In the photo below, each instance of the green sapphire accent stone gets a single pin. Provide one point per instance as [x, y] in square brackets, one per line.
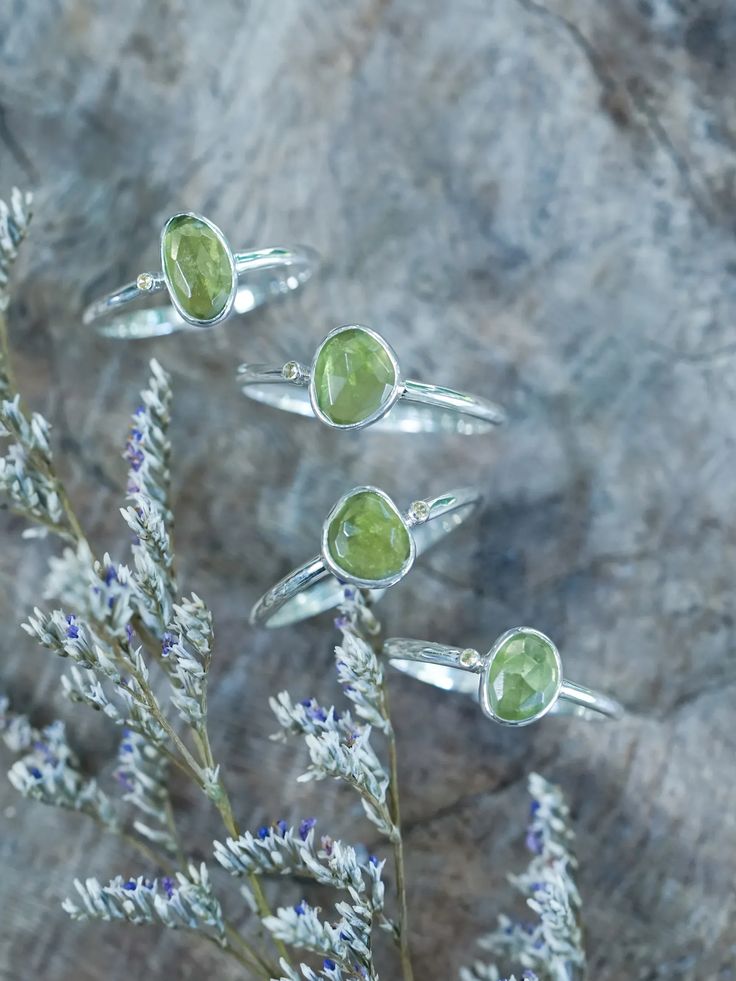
[523, 677]
[197, 267]
[353, 376]
[367, 538]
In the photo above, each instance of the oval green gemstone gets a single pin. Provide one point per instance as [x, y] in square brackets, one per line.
[523, 677]
[197, 267]
[353, 376]
[367, 538]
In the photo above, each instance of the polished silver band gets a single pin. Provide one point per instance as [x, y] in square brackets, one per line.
[312, 588]
[419, 408]
[263, 275]
[461, 670]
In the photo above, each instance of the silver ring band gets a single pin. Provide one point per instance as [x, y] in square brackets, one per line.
[258, 276]
[318, 585]
[402, 406]
[464, 670]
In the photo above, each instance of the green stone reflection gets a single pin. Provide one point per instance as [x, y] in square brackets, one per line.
[523, 677]
[367, 539]
[197, 267]
[354, 376]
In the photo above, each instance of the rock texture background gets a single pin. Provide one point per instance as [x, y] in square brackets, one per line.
[532, 200]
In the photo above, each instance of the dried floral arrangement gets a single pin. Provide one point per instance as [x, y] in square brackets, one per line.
[139, 652]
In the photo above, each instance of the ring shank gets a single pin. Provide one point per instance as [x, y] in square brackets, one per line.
[263, 275]
[420, 409]
[312, 589]
[440, 666]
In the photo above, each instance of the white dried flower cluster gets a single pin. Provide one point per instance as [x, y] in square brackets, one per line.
[345, 944]
[281, 850]
[142, 773]
[16, 730]
[551, 948]
[288, 851]
[98, 592]
[14, 220]
[99, 668]
[187, 651]
[184, 902]
[50, 773]
[148, 515]
[27, 477]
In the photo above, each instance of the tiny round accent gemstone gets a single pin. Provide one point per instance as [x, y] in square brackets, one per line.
[523, 677]
[367, 539]
[353, 377]
[469, 658]
[144, 281]
[290, 371]
[197, 267]
[419, 511]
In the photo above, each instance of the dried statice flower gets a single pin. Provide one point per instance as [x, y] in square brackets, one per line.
[27, 477]
[282, 850]
[551, 948]
[142, 773]
[186, 653]
[50, 774]
[16, 730]
[330, 972]
[186, 901]
[99, 592]
[100, 667]
[345, 944]
[149, 514]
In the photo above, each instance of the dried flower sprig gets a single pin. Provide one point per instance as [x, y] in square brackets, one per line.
[339, 746]
[551, 948]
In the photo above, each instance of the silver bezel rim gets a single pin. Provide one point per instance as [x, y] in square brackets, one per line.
[386, 407]
[226, 310]
[483, 698]
[340, 573]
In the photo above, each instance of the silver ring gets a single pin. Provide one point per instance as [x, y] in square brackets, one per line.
[366, 542]
[517, 682]
[202, 282]
[355, 380]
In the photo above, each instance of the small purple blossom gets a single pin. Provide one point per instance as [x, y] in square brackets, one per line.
[305, 827]
[129, 632]
[167, 642]
[35, 772]
[374, 861]
[534, 841]
[282, 827]
[263, 832]
[130, 885]
[111, 575]
[168, 885]
[72, 630]
[301, 908]
[328, 964]
[342, 622]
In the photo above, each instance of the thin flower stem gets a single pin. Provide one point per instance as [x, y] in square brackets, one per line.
[375, 639]
[398, 844]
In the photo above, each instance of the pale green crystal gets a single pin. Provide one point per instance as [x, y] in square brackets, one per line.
[367, 539]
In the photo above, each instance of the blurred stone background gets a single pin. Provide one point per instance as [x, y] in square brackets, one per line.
[532, 201]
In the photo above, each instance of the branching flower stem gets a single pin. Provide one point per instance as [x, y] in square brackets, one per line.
[372, 631]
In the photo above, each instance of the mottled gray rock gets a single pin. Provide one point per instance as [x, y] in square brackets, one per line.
[535, 202]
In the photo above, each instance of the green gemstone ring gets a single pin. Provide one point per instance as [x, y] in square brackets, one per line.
[202, 282]
[354, 381]
[517, 682]
[366, 542]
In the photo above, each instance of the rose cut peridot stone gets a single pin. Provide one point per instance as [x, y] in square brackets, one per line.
[367, 538]
[354, 376]
[523, 677]
[197, 267]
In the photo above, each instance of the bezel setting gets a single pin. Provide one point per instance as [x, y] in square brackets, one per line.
[227, 309]
[483, 697]
[346, 577]
[389, 402]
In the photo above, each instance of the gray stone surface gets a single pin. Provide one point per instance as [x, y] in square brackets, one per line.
[531, 201]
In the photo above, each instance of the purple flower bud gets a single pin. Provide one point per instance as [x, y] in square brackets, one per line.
[305, 827]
